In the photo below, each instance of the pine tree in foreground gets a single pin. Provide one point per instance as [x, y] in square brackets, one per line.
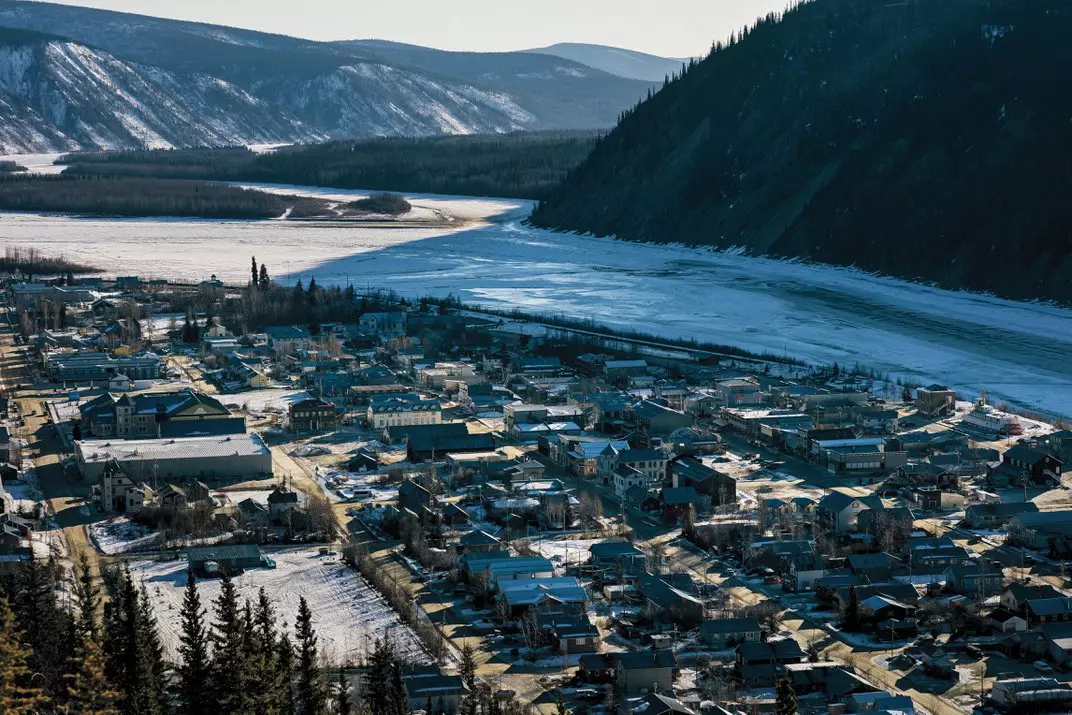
[786, 702]
[228, 663]
[90, 693]
[19, 694]
[255, 276]
[194, 666]
[311, 691]
[285, 678]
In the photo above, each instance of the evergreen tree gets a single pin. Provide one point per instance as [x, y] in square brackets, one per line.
[228, 664]
[264, 660]
[19, 694]
[297, 296]
[194, 667]
[467, 672]
[89, 692]
[151, 664]
[263, 280]
[46, 624]
[380, 666]
[786, 703]
[190, 332]
[284, 662]
[255, 275]
[315, 294]
[397, 690]
[87, 599]
[342, 704]
[70, 278]
[851, 616]
[311, 693]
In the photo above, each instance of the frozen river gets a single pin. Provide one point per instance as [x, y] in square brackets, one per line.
[1019, 352]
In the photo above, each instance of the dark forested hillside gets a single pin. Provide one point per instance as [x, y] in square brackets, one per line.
[926, 139]
[514, 166]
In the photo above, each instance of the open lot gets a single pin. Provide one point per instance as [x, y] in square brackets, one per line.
[347, 613]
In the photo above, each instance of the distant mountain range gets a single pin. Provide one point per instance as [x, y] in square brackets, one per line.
[78, 78]
[927, 140]
[616, 61]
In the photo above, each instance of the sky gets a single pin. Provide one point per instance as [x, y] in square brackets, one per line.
[682, 28]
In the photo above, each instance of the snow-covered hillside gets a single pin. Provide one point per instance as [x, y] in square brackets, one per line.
[57, 96]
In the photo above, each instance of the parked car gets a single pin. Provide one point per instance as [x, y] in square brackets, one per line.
[1042, 666]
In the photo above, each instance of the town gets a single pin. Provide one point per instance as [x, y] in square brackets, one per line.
[541, 515]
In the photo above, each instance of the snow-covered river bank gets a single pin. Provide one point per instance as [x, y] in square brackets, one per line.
[1019, 352]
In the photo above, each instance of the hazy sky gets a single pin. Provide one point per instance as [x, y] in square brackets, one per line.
[679, 28]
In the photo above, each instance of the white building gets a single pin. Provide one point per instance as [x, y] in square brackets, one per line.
[403, 411]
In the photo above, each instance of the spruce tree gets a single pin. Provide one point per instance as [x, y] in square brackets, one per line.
[467, 672]
[786, 703]
[311, 693]
[19, 694]
[151, 664]
[284, 663]
[380, 665]
[194, 666]
[264, 664]
[89, 691]
[852, 610]
[227, 663]
[342, 703]
[263, 280]
[255, 275]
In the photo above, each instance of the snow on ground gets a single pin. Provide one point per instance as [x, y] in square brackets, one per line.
[266, 399]
[23, 496]
[234, 497]
[348, 613]
[565, 551]
[121, 535]
[341, 485]
[1017, 351]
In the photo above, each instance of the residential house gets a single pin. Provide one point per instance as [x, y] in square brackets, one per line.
[690, 472]
[721, 633]
[1003, 620]
[1041, 529]
[650, 462]
[974, 579]
[652, 418]
[1016, 595]
[673, 599]
[1024, 465]
[1048, 610]
[522, 594]
[569, 629]
[839, 512]
[383, 324]
[428, 685]
[646, 671]
[625, 478]
[282, 501]
[617, 557]
[654, 703]
[760, 664]
[413, 496]
[993, 515]
[288, 339]
[615, 370]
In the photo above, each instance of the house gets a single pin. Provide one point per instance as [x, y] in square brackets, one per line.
[880, 608]
[384, 324]
[1003, 620]
[428, 685]
[282, 501]
[646, 671]
[1059, 444]
[1058, 642]
[413, 496]
[520, 595]
[1048, 610]
[690, 472]
[974, 579]
[613, 557]
[312, 414]
[992, 515]
[518, 568]
[649, 462]
[288, 339]
[671, 596]
[654, 703]
[625, 478]
[229, 558]
[857, 456]
[840, 512]
[875, 568]
[569, 629]
[615, 370]
[1041, 529]
[1016, 595]
[721, 633]
[117, 491]
[252, 513]
[478, 541]
[681, 503]
[652, 418]
[1025, 465]
[594, 458]
[760, 664]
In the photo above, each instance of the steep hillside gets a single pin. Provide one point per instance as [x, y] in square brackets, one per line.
[922, 139]
[295, 89]
[56, 94]
[615, 60]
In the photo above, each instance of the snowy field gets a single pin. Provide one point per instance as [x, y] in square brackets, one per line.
[565, 551]
[266, 399]
[1017, 351]
[347, 613]
[121, 535]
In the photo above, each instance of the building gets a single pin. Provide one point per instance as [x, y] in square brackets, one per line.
[282, 501]
[1041, 529]
[974, 579]
[156, 415]
[96, 367]
[384, 325]
[614, 557]
[992, 515]
[288, 339]
[1024, 465]
[231, 559]
[403, 410]
[205, 458]
[936, 401]
[118, 492]
[646, 671]
[722, 633]
[311, 415]
[733, 393]
[1031, 695]
[689, 472]
[866, 456]
[614, 370]
[652, 418]
[649, 462]
[626, 478]
[428, 685]
[840, 512]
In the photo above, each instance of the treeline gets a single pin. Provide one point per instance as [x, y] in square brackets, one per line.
[137, 197]
[104, 656]
[919, 139]
[511, 166]
[31, 262]
[8, 167]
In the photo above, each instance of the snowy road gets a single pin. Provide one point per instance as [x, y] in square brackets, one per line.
[1020, 352]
